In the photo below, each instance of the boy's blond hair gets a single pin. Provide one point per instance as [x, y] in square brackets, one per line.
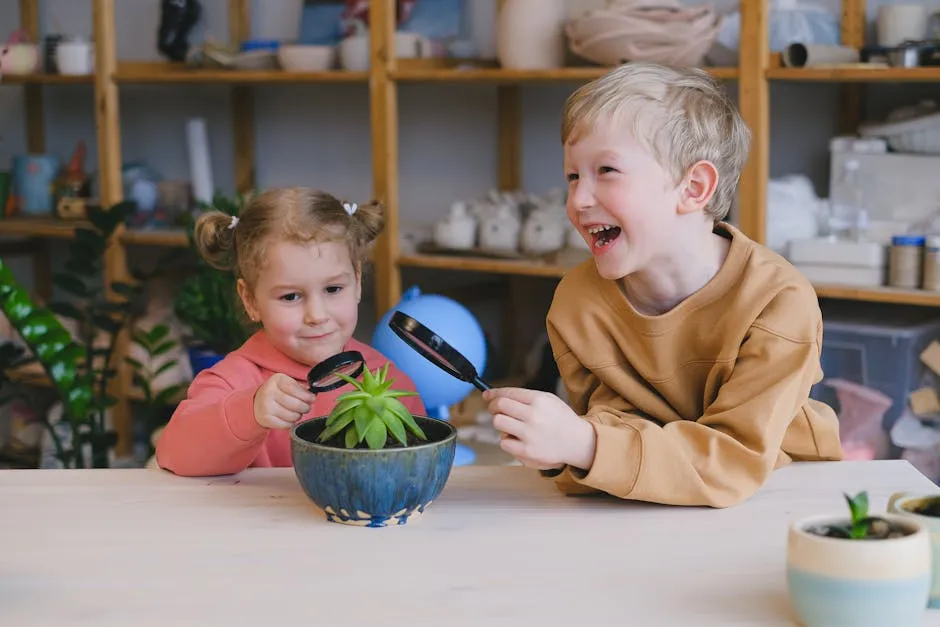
[681, 115]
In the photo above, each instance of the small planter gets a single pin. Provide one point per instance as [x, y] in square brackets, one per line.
[880, 579]
[201, 358]
[925, 509]
[373, 487]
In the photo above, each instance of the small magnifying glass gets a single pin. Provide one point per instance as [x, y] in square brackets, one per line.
[323, 377]
[433, 348]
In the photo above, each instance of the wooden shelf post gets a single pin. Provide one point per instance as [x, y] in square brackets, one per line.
[384, 117]
[754, 102]
[243, 104]
[107, 121]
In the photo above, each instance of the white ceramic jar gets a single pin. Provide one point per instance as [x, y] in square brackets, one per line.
[530, 34]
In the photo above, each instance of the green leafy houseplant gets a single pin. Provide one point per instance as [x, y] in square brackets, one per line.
[155, 343]
[81, 368]
[371, 415]
[206, 301]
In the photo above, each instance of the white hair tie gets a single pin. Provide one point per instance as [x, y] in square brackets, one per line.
[350, 207]
[233, 223]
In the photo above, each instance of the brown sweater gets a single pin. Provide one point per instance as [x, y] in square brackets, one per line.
[699, 405]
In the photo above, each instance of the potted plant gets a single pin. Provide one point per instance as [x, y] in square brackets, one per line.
[370, 462]
[206, 301]
[859, 570]
[80, 367]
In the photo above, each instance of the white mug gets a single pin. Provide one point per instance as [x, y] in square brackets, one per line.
[75, 58]
[354, 50]
[898, 23]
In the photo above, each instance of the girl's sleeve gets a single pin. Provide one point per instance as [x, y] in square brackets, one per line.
[213, 431]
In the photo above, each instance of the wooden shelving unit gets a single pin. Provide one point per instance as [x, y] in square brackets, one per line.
[757, 68]
[146, 73]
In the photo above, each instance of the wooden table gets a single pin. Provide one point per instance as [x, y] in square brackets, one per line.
[500, 547]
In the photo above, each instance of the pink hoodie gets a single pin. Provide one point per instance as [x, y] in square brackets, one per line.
[214, 431]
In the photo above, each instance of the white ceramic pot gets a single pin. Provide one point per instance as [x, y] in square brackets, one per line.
[75, 58]
[542, 233]
[530, 34]
[862, 583]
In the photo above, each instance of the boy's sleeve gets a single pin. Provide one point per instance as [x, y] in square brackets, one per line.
[721, 458]
[213, 431]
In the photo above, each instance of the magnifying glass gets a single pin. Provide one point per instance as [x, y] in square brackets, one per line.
[433, 348]
[323, 377]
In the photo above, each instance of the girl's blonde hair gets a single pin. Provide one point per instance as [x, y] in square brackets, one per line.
[295, 214]
[680, 115]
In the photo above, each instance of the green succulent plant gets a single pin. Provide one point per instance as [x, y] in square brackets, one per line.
[371, 413]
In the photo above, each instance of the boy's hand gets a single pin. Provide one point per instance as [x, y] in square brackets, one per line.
[281, 401]
[539, 429]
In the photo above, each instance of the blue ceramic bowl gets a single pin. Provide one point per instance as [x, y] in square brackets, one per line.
[373, 488]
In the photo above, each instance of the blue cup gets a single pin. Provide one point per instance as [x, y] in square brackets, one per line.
[33, 183]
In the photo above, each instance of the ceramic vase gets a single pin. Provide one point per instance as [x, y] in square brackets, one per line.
[530, 34]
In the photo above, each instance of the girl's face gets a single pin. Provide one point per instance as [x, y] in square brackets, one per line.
[307, 298]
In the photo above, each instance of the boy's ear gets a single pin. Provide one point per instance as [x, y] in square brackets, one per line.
[699, 187]
[248, 301]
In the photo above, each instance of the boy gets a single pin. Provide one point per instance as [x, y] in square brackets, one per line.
[687, 350]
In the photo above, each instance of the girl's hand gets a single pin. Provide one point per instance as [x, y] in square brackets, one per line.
[281, 401]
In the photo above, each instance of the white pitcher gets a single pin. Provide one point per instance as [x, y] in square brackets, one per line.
[530, 34]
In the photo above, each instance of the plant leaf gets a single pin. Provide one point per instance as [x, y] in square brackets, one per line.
[376, 435]
[164, 348]
[168, 395]
[395, 406]
[167, 366]
[66, 310]
[352, 439]
[157, 333]
[368, 381]
[401, 393]
[395, 427]
[363, 418]
[858, 506]
[338, 425]
[136, 365]
[344, 407]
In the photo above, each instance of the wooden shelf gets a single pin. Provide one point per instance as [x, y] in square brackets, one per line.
[171, 238]
[479, 264]
[65, 229]
[45, 79]
[33, 375]
[856, 74]
[922, 298]
[500, 75]
[41, 227]
[157, 72]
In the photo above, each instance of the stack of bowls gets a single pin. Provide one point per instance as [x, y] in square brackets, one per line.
[659, 31]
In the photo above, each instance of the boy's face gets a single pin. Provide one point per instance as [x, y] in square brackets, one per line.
[619, 198]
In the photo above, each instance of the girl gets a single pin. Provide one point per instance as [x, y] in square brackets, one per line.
[298, 256]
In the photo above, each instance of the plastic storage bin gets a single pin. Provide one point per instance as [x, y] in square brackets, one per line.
[884, 355]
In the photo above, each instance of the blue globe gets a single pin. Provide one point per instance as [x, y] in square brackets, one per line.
[455, 325]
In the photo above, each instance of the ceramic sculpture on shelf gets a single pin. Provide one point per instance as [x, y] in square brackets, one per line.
[499, 232]
[543, 232]
[458, 231]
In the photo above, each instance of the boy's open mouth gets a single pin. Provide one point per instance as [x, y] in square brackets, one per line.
[603, 235]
